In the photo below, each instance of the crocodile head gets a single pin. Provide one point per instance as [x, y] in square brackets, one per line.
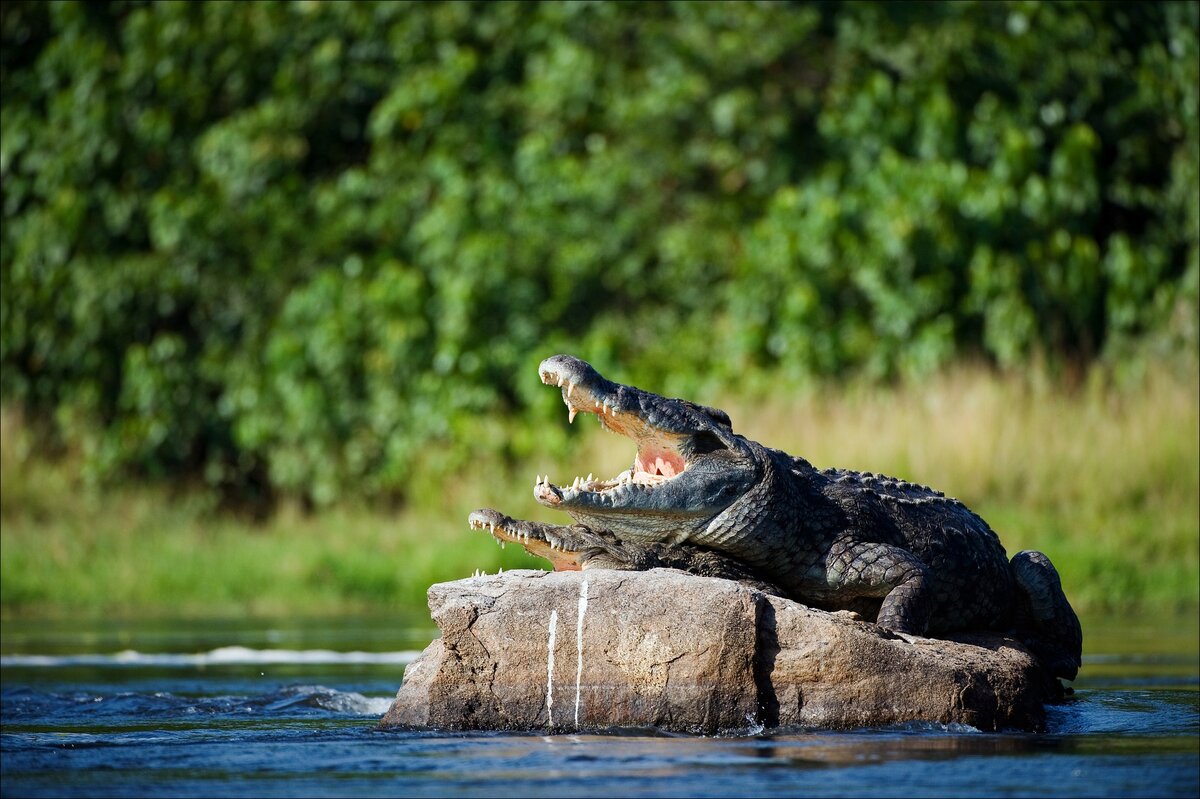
[689, 465]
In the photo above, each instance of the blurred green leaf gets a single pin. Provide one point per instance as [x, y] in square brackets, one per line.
[315, 248]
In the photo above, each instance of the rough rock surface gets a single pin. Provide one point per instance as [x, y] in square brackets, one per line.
[529, 650]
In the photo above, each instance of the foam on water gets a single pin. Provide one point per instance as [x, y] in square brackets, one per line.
[24, 704]
[225, 655]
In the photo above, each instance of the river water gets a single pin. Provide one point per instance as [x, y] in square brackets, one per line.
[288, 708]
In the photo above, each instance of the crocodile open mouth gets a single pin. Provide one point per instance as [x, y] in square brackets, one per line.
[659, 457]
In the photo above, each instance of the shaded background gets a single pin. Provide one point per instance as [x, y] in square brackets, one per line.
[309, 254]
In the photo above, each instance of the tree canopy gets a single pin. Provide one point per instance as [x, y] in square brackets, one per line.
[307, 247]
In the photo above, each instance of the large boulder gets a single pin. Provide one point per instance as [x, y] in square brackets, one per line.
[530, 650]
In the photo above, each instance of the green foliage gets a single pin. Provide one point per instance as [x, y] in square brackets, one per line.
[314, 248]
[1103, 481]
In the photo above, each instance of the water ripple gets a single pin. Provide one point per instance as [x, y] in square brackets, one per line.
[26, 704]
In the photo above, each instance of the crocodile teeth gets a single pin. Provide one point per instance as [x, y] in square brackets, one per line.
[570, 387]
[571, 416]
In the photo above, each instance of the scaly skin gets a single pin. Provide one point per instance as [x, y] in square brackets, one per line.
[575, 547]
[701, 498]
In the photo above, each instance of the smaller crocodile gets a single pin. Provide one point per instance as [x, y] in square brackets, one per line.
[701, 498]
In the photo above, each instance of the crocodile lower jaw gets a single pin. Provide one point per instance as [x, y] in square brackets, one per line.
[537, 545]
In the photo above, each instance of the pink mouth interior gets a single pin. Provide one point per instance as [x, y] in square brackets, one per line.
[659, 462]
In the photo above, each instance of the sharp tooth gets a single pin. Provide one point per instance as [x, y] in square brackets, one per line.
[502, 545]
[570, 387]
[501, 570]
[590, 478]
[571, 416]
[560, 382]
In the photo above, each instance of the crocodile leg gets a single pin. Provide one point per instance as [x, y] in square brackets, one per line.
[859, 569]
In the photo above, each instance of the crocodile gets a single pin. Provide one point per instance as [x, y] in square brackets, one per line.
[704, 499]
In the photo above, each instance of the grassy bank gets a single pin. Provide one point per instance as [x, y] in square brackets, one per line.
[1106, 481]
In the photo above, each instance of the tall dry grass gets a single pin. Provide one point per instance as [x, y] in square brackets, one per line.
[1105, 480]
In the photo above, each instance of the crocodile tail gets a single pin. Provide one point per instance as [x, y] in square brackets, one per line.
[1048, 624]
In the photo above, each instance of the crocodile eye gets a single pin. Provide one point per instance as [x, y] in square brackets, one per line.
[705, 442]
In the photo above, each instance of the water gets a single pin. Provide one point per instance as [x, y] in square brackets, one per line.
[254, 708]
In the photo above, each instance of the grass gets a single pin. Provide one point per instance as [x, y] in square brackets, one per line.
[1104, 480]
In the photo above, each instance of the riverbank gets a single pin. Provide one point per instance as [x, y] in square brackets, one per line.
[1104, 479]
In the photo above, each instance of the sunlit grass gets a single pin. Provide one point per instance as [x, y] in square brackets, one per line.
[1106, 481]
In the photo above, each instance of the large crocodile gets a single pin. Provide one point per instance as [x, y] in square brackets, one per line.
[700, 497]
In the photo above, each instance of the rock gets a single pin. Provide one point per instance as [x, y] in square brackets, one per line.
[529, 650]
[819, 669]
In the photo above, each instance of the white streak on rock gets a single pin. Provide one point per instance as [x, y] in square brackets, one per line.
[550, 669]
[579, 645]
